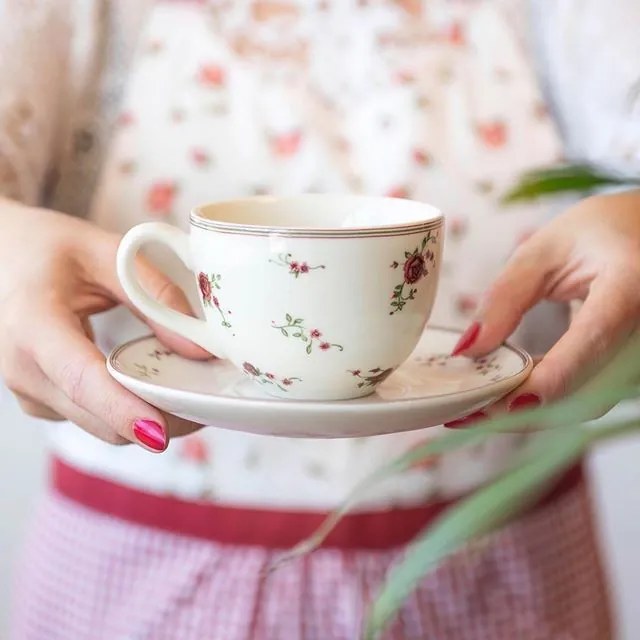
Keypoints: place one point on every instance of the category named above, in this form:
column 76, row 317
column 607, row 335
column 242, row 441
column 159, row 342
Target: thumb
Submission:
column 522, row 283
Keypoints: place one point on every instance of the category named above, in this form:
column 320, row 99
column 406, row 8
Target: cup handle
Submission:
column 192, row 329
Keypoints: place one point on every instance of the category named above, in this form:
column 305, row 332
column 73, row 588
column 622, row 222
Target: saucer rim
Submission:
column 355, row 404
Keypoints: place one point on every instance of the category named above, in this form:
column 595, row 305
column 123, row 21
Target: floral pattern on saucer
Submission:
column 487, row 366
column 430, row 388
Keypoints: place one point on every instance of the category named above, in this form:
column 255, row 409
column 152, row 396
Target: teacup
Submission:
column 313, row 297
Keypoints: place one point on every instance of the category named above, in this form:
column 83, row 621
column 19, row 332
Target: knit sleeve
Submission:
column 34, row 51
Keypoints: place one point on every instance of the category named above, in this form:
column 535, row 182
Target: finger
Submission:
column 37, row 409
column 159, row 286
column 77, row 369
column 44, row 401
column 523, row 282
column 604, row 323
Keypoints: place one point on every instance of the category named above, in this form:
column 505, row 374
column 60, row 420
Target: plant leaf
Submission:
column 289, row 318
column 580, row 178
column 478, row 515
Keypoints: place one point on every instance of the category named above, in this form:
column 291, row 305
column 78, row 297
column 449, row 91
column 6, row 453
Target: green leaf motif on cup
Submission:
column 415, row 266
column 207, row 285
column 266, row 377
column 311, row 338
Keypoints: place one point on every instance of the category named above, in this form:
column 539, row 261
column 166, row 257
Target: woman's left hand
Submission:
column 590, row 253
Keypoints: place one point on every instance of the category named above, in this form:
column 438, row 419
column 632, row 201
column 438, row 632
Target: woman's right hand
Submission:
column 56, row 272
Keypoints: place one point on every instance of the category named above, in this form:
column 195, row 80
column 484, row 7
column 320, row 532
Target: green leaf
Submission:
column 309, row 347
column 284, row 333
column 407, row 254
column 289, row 318
column 478, row 515
column 298, row 321
column 550, row 181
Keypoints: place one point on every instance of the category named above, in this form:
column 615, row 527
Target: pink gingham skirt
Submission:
column 92, row 574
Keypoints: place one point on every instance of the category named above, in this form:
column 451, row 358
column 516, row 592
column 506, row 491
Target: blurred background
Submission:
column 615, row 471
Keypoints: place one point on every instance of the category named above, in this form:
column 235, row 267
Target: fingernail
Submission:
column 467, row 421
column 467, row 339
column 150, row 434
column 525, row 401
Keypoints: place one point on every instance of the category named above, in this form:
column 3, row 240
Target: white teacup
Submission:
column 314, row 297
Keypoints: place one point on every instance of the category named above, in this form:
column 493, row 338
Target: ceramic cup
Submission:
column 314, row 297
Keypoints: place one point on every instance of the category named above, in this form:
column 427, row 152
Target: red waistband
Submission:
column 274, row 529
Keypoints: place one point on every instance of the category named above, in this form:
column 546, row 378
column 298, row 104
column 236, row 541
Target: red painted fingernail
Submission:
column 467, row 421
column 525, row 401
column 151, row 434
column 467, row 339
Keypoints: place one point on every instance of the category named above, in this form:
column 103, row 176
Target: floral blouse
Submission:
column 183, row 102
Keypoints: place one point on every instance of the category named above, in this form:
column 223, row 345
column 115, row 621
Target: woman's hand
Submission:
column 590, row 253
column 56, row 272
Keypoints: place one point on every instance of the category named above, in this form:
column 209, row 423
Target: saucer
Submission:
column 430, row 388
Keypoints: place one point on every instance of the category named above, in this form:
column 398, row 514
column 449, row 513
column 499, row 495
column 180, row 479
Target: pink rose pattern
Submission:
column 207, row 284
column 160, row 198
column 415, row 267
column 296, row 268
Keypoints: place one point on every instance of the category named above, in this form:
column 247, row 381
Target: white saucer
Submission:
column 429, row 389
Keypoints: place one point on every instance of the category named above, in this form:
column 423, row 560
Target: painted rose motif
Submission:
column 205, row 287
column 286, row 144
column 294, row 328
column 161, row 197
column 455, row 35
column 211, row 75
column 267, row 377
column 207, row 284
column 195, row 449
column 295, row 267
column 200, row 157
column 421, row 157
column 414, row 269
column 493, row 134
column 416, row 265
column 372, row 378
column 250, row 369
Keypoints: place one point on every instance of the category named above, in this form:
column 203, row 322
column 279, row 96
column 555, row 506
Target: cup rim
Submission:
column 431, row 218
